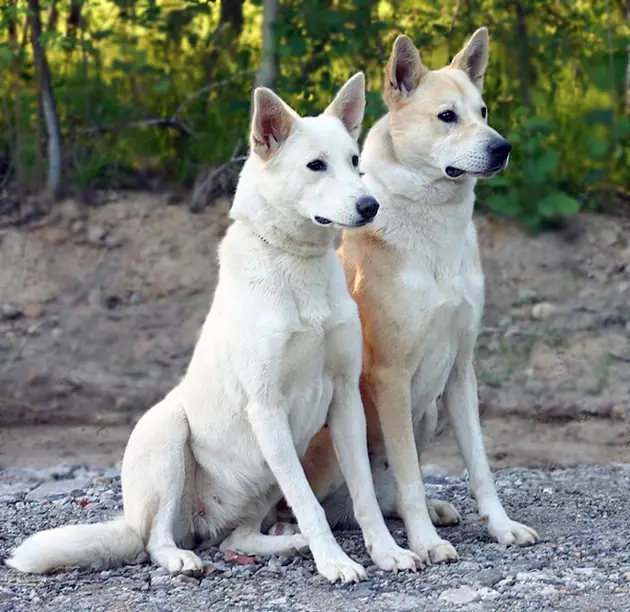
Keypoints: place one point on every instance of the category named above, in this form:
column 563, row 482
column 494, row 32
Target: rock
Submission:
column 543, row 310
column 488, row 578
column 619, row 412
column 114, row 240
column 70, row 210
column 460, row 596
column 54, row 236
column 58, row 489
column 9, row 311
column 77, row 226
column 96, row 234
column 33, row 311
column 233, row 557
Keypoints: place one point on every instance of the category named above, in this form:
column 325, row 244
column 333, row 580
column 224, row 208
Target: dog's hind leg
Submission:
column 461, row 401
column 156, row 492
column 247, row 538
column 441, row 512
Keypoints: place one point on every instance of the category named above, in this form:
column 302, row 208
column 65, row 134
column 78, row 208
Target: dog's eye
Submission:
column 448, row 116
column 484, row 112
column 317, row 165
column 355, row 161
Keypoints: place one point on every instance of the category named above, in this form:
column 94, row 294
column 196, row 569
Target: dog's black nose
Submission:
column 499, row 150
column 367, row 207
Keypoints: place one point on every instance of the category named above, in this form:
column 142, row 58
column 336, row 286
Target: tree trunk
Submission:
column 53, row 185
column 269, row 65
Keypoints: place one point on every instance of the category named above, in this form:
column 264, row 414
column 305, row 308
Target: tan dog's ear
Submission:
column 349, row 104
column 473, row 58
column 272, row 122
column 403, row 72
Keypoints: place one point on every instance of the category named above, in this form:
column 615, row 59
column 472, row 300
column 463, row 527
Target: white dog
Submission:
column 278, row 357
column 416, row 276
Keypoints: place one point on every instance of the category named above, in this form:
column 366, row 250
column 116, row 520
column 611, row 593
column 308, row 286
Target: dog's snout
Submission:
column 367, row 207
column 499, row 149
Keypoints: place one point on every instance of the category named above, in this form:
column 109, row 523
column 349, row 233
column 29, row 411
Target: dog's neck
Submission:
column 429, row 214
column 304, row 239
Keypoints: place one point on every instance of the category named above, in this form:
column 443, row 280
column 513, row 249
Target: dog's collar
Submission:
column 281, row 241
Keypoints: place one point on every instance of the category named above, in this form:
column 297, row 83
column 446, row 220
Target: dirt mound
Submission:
column 100, row 309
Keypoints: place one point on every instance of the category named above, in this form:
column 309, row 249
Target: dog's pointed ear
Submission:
column 473, row 58
column 349, row 104
column 272, row 122
column 403, row 72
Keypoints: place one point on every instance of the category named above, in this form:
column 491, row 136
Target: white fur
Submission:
column 279, row 355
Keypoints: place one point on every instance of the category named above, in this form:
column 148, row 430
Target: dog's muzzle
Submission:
column 367, row 207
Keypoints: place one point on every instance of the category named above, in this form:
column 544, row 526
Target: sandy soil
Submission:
column 100, row 308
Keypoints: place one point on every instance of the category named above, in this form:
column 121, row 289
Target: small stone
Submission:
column 9, row 311
column 619, row 412
column 543, row 310
column 626, row 576
column 233, row 557
column 122, row 404
column 33, row 311
column 188, row 580
column 54, row 236
column 488, row 578
column 77, row 226
column 57, row 489
column 96, row 234
column 160, row 580
column 460, row 596
column 114, row 240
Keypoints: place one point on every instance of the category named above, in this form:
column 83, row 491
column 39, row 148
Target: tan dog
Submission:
column 417, row 279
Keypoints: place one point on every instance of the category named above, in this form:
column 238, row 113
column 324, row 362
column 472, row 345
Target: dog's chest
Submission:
column 311, row 362
column 444, row 317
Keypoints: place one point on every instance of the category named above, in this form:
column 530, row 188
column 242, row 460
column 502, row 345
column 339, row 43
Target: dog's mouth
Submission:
column 324, row 222
column 453, row 172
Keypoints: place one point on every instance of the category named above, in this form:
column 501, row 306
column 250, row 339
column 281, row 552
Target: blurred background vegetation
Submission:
column 104, row 93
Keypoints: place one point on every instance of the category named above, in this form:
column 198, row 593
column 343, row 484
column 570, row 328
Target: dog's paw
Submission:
column 442, row 513
column 179, row 561
column 337, row 566
column 435, row 551
column 284, row 529
column 443, row 552
column 513, row 534
column 392, row 558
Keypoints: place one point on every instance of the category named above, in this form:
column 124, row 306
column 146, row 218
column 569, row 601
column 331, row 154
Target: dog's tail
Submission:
column 95, row 546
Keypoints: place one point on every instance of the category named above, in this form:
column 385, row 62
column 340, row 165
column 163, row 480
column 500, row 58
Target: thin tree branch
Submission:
column 157, row 122
column 208, row 88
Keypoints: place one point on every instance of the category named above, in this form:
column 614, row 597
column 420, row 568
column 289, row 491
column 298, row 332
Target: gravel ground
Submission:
column 582, row 563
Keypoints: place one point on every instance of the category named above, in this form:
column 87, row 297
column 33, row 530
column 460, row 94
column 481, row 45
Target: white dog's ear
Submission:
column 272, row 122
column 403, row 72
column 473, row 58
column 349, row 104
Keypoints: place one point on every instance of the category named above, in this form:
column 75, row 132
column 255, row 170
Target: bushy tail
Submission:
column 95, row 546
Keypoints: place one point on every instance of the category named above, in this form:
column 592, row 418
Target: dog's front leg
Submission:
column 348, row 429
column 392, row 392
column 461, row 401
column 271, row 428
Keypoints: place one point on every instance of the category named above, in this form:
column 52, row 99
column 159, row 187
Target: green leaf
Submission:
column 597, row 148
column 558, row 203
column 505, row 203
column 500, row 181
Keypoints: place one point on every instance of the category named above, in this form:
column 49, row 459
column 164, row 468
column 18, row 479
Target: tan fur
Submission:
column 416, row 277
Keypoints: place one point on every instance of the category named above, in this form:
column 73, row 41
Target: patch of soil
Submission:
column 100, row 309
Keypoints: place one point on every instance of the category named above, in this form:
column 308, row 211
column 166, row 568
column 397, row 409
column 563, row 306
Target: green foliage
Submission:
column 555, row 86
